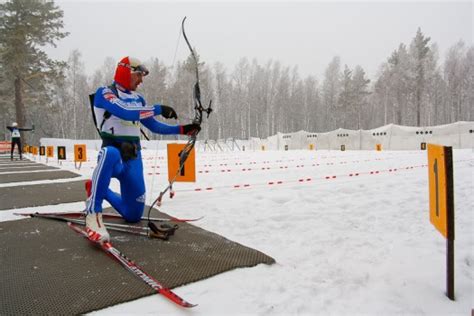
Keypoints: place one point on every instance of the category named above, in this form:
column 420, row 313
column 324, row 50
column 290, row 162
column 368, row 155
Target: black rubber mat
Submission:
column 46, row 268
column 36, row 176
column 41, row 194
column 5, row 162
column 32, row 167
column 15, row 157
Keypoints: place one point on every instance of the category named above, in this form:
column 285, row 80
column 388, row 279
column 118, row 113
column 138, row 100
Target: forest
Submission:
column 413, row 86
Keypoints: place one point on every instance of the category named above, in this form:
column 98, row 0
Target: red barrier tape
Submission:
column 302, row 180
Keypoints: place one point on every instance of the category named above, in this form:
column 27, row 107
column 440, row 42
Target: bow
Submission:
column 198, row 109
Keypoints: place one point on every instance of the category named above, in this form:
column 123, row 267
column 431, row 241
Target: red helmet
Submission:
column 124, row 69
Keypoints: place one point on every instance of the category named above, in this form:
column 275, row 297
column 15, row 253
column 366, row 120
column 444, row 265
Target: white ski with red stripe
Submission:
column 112, row 215
column 135, row 269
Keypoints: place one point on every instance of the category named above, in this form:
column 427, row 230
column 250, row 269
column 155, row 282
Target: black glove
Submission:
column 168, row 112
column 190, row 129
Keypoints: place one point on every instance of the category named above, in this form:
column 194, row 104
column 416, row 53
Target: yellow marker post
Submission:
column 34, row 150
column 80, row 155
column 441, row 188
column 378, row 147
column 188, row 172
column 61, row 153
column 50, row 151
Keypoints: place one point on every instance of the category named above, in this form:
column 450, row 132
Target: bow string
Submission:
column 198, row 110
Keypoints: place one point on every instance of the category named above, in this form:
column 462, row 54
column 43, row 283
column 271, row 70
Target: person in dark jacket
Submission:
column 16, row 137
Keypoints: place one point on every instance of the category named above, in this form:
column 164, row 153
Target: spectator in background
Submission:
column 16, row 137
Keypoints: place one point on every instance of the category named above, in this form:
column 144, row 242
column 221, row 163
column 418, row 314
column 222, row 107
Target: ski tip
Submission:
column 25, row 214
column 185, row 220
column 169, row 294
column 189, row 305
column 195, row 219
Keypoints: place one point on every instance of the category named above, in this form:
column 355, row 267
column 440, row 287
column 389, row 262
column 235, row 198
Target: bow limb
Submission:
column 197, row 90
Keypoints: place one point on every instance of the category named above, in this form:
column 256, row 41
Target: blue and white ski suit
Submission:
column 128, row 109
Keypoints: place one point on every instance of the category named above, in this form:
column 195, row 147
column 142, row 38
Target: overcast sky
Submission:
column 304, row 34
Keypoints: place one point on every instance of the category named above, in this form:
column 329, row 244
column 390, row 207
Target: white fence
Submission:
column 388, row 137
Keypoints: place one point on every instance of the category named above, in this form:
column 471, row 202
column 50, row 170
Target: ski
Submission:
column 134, row 268
column 111, row 215
column 130, row 229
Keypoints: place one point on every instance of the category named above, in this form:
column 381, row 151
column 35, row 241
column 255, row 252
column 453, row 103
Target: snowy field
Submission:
column 350, row 232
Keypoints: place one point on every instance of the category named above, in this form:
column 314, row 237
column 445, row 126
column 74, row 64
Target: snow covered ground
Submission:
column 350, row 232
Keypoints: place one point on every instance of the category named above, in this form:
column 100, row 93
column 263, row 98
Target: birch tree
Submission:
column 331, row 89
column 468, row 112
column 360, row 89
column 345, row 99
column 456, row 70
column 240, row 78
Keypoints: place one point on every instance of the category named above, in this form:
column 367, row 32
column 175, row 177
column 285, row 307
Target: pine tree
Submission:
column 25, row 27
column 419, row 51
